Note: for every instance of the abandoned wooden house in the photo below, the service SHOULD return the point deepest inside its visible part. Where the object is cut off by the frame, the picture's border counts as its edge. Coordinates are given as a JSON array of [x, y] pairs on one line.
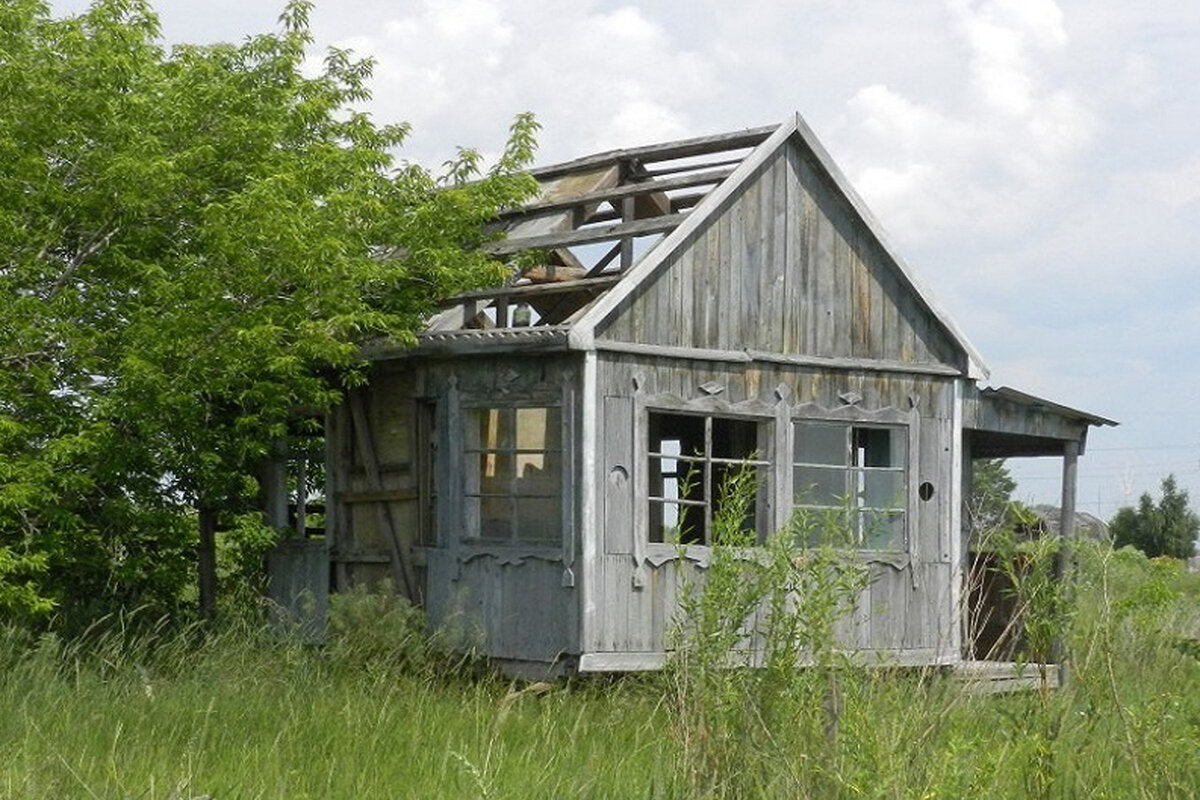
[[524, 471]]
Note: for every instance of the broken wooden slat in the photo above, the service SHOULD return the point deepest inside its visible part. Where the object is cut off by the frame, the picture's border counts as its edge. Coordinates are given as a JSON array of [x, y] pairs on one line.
[[685, 202]]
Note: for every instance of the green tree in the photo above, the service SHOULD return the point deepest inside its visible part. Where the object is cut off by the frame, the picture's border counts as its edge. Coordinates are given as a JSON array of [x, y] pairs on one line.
[[193, 243], [1166, 528], [990, 507]]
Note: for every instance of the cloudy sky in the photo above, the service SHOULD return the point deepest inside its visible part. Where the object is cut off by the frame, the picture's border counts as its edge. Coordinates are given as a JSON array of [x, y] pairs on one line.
[[1037, 162]]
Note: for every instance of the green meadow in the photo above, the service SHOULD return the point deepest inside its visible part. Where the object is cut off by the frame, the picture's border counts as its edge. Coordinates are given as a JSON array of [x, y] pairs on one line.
[[137, 710]]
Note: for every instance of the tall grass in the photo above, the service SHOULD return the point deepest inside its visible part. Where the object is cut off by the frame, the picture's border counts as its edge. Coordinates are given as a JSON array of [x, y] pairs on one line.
[[238, 714], [808, 721], [131, 711]]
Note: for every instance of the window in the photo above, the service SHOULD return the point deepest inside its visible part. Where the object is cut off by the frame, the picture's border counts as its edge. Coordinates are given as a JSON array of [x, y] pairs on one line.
[[690, 458], [861, 469], [513, 461]]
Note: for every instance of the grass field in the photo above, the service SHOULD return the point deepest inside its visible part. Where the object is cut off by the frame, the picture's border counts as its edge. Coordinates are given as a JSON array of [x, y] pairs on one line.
[[234, 714]]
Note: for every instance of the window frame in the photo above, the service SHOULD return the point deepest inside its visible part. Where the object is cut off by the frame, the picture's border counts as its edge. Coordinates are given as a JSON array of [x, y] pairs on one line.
[[470, 529], [707, 409], [856, 418], [780, 419]]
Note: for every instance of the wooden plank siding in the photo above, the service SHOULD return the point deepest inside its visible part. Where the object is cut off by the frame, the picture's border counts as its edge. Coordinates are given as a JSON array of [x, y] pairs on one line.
[[905, 614], [784, 266], [515, 600]]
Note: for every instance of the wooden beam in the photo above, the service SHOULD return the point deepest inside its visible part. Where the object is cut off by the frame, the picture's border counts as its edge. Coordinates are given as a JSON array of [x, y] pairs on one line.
[[534, 289], [683, 148], [678, 168], [627, 216], [600, 233], [533, 340], [381, 496], [683, 202], [749, 356], [621, 192], [605, 260]]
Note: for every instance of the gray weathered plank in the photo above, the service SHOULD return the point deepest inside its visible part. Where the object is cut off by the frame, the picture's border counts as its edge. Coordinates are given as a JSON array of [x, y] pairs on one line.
[[701, 178], [598, 233]]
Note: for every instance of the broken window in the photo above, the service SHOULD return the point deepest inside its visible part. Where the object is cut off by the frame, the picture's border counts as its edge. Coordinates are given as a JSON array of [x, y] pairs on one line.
[[859, 469], [690, 458], [513, 461]]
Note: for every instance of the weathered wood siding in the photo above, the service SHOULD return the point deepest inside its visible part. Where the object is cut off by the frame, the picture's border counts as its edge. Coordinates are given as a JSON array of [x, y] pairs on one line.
[[785, 267], [505, 605], [514, 601], [907, 611]]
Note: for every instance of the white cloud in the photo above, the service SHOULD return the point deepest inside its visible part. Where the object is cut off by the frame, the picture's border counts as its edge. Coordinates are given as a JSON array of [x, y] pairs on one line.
[[1036, 161], [597, 76], [637, 121], [1175, 187], [992, 152]]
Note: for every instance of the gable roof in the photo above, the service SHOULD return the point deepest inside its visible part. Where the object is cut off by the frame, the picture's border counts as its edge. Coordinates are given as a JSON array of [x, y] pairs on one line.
[[623, 198]]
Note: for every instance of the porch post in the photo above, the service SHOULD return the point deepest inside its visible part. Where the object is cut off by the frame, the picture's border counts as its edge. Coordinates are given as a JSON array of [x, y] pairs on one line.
[[1063, 564]]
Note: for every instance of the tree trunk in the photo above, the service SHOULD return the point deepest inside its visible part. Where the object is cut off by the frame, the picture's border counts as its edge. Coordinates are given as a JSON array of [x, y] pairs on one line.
[[206, 563]]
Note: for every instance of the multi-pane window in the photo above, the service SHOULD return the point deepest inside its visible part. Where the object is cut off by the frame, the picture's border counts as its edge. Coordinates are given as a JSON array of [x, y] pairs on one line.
[[690, 460], [860, 469], [514, 462]]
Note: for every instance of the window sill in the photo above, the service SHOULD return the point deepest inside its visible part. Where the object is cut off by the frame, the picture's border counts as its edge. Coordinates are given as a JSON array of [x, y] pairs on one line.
[[658, 554]]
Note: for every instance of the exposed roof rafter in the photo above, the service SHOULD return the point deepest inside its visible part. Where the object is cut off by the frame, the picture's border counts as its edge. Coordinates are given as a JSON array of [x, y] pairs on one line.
[[623, 195]]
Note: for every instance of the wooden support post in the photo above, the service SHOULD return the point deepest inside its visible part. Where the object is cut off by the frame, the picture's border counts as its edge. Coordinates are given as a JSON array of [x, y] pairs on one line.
[[273, 486], [301, 497], [627, 215], [1064, 570]]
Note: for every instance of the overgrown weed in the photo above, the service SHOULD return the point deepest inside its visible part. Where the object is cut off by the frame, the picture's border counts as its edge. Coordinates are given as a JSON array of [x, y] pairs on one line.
[[765, 704]]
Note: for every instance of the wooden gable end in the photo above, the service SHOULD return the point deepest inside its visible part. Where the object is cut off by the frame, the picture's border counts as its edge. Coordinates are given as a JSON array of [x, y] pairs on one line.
[[785, 266]]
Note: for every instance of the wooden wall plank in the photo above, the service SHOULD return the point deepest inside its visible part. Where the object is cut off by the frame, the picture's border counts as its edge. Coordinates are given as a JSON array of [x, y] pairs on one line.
[[617, 474], [747, 263], [774, 232], [785, 266], [890, 590]]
